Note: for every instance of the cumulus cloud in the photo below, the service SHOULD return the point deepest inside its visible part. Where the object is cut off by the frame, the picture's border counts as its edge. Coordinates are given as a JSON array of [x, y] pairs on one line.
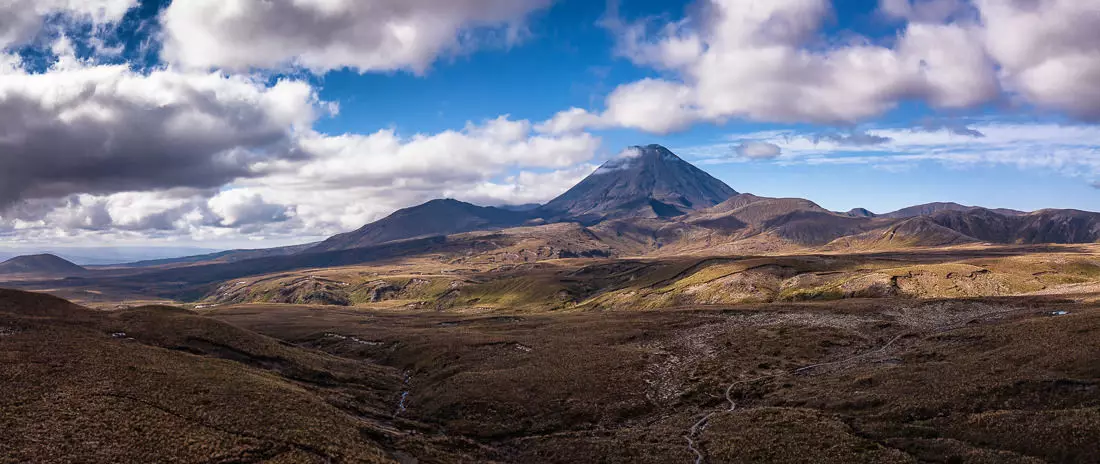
[[100, 129], [762, 60], [1048, 50], [524, 188], [20, 20], [348, 180], [758, 150], [1096, 185], [241, 207], [175, 150], [334, 184], [163, 211], [321, 35], [766, 60]]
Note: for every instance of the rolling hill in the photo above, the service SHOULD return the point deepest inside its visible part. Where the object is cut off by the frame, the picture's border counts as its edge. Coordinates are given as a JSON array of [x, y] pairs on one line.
[[49, 265], [436, 217]]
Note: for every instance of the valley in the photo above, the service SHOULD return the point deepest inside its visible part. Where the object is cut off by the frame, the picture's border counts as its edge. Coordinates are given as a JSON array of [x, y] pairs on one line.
[[976, 380], [651, 314]]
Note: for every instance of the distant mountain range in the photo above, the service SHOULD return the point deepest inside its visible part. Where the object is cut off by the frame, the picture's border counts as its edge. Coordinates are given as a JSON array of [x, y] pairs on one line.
[[647, 202], [108, 255], [651, 195]]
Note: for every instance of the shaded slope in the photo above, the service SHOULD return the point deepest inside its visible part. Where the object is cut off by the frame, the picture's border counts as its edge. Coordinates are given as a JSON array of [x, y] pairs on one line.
[[40, 265], [796, 220], [929, 209], [166, 385], [436, 217], [913, 232], [926, 209], [1046, 226], [647, 181], [1059, 226], [982, 224], [860, 212], [229, 256]]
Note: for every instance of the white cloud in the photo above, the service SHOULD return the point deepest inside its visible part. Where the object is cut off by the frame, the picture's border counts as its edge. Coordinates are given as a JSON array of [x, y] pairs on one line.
[[336, 183], [349, 180], [1071, 150], [98, 129], [1049, 51], [242, 207], [321, 35], [569, 121], [524, 188], [91, 151], [630, 153], [758, 150], [20, 20], [765, 60], [760, 60]]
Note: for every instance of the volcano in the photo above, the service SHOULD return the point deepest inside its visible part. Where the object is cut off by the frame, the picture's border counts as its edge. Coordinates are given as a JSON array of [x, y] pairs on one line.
[[647, 181]]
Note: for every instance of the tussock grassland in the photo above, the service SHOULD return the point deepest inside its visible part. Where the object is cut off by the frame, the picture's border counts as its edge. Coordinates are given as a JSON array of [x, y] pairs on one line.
[[658, 283], [1010, 379]]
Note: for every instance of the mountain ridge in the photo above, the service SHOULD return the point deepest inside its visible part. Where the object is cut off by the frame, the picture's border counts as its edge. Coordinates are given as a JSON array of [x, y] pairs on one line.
[[434, 218], [677, 206]]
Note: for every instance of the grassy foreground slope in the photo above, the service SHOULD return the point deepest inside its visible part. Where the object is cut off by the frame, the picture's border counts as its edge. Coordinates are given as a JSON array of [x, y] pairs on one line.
[[886, 380], [159, 384], [1002, 380]]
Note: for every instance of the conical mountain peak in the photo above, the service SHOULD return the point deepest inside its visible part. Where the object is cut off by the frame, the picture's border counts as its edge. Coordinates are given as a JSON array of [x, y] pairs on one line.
[[642, 181]]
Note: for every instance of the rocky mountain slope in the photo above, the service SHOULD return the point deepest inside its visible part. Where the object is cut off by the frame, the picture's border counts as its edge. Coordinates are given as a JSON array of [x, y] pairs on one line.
[[648, 181]]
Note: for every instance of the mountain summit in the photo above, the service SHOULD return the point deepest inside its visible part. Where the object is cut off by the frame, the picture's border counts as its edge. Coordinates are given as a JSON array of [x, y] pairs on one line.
[[647, 181]]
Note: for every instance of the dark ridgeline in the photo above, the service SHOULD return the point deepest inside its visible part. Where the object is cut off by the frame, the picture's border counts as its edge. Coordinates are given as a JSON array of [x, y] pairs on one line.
[[44, 264]]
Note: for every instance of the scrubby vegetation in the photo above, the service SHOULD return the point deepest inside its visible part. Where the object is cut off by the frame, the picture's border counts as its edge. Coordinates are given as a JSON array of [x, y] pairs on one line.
[[657, 283]]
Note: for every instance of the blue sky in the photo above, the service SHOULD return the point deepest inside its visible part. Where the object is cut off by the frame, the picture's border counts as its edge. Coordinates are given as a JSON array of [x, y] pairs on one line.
[[198, 123], [569, 61]]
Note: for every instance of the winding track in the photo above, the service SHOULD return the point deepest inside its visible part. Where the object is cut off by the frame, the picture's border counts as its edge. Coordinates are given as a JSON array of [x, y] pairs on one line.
[[699, 426]]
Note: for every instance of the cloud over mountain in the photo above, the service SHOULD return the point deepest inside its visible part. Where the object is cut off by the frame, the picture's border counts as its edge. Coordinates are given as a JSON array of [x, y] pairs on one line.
[[92, 148]]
